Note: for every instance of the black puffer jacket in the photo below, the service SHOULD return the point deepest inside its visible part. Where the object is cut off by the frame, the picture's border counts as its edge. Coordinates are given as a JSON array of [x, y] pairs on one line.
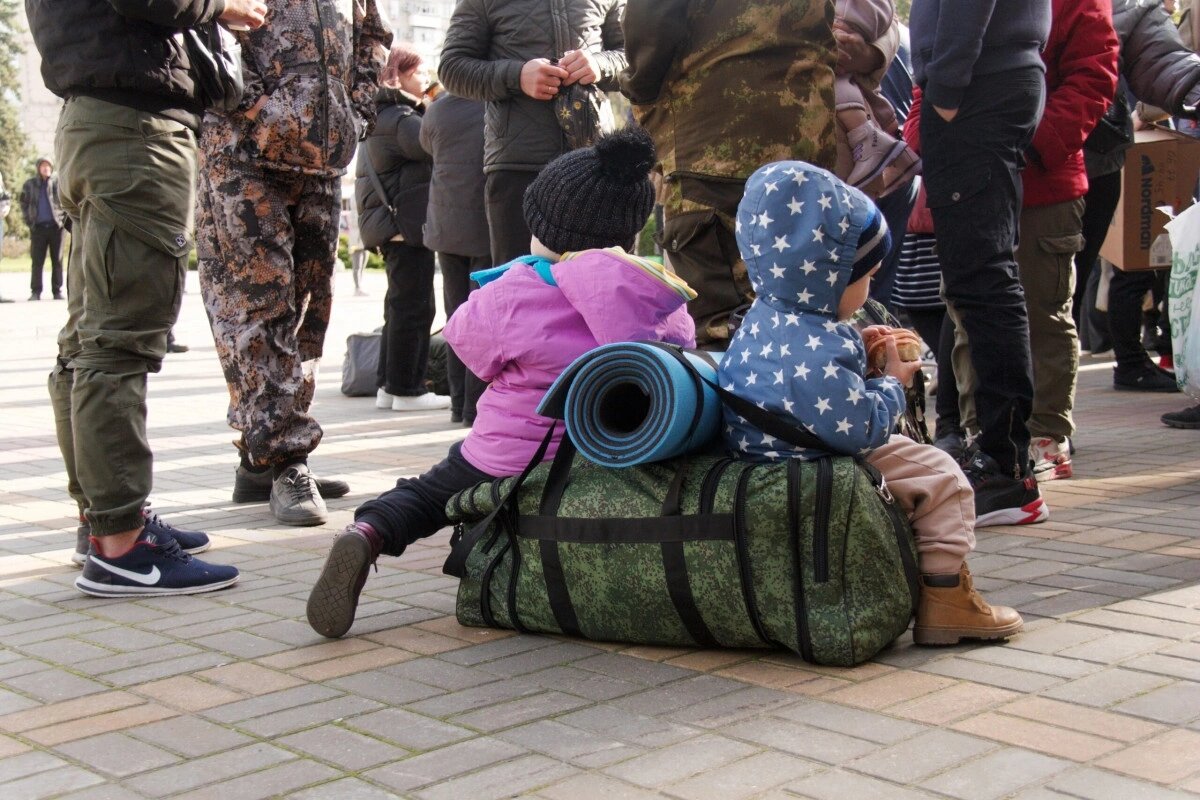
[[1155, 63], [490, 40], [394, 147], [128, 52], [452, 133]]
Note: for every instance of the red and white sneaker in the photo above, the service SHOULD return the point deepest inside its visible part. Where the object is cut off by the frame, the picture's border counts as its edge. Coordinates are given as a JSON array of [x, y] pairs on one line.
[[1051, 459]]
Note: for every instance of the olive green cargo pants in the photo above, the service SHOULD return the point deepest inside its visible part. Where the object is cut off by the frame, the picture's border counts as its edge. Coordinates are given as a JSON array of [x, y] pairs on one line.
[[127, 178]]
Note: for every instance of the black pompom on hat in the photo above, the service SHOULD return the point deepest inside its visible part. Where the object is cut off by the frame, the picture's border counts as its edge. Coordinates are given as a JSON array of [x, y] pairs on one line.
[[598, 196]]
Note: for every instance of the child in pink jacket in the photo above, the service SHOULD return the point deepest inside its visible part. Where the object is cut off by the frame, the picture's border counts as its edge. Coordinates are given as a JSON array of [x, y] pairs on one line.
[[518, 333]]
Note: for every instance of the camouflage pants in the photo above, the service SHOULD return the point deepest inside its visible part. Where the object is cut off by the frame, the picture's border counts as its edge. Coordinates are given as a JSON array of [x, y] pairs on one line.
[[267, 242], [698, 241]]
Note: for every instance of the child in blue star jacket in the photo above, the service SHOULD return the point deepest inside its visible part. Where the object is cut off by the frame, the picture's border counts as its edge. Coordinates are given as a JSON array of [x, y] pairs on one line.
[[811, 244]]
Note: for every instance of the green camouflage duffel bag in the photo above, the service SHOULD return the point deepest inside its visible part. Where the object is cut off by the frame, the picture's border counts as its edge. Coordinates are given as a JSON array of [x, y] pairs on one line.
[[813, 557]]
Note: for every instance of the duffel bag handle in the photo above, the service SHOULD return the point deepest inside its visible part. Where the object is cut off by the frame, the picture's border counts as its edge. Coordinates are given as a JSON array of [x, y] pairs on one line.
[[456, 562]]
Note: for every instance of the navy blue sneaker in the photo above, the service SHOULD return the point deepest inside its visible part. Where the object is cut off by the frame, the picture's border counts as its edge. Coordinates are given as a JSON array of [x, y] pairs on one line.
[[191, 542], [155, 565]]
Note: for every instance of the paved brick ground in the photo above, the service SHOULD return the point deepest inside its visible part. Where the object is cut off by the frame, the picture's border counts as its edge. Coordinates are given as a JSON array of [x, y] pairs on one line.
[[231, 695]]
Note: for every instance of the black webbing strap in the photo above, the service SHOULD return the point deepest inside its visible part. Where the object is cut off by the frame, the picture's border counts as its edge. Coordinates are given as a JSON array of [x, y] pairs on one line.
[[559, 477], [456, 562], [680, 589], [556, 589]]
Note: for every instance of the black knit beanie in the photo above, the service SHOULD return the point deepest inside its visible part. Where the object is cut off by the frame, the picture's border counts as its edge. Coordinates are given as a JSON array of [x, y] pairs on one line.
[[598, 196]]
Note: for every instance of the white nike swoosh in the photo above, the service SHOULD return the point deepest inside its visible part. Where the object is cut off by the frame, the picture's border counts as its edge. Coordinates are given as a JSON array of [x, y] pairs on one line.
[[146, 579]]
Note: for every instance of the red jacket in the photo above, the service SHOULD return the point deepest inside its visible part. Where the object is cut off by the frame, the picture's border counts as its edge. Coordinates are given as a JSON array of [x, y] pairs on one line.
[[1081, 79]]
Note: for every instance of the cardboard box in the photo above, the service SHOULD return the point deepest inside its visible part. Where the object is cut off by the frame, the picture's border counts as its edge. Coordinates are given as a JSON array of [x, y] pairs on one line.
[[1160, 170]]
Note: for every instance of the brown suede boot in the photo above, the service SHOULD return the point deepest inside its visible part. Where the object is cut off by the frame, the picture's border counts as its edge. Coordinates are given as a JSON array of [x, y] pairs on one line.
[[951, 610]]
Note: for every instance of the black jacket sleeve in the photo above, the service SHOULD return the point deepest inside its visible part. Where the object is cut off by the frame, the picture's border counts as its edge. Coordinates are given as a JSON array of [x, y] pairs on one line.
[[170, 13], [1160, 69], [655, 30], [465, 69]]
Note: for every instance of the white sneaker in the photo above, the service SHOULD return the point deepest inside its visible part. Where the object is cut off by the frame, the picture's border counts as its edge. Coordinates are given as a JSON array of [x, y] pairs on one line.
[[422, 402], [1051, 459], [383, 399]]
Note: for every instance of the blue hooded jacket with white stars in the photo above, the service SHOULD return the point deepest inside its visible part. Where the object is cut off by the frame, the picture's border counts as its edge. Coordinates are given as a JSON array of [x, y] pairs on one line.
[[798, 229]]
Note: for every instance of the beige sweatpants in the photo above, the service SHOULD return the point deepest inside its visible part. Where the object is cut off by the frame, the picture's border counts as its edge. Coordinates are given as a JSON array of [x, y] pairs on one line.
[[931, 488]]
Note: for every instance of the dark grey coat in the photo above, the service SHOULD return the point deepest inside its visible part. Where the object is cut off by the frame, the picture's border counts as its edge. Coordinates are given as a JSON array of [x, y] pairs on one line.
[[1155, 63], [490, 40], [452, 133]]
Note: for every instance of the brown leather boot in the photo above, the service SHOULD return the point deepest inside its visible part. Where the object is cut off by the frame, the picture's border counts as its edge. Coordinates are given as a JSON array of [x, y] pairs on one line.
[[951, 610]]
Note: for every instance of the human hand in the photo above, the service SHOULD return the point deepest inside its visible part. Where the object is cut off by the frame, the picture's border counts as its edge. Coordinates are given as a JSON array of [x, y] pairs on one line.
[[252, 112], [581, 67], [244, 14], [855, 55], [540, 79], [947, 114], [872, 332]]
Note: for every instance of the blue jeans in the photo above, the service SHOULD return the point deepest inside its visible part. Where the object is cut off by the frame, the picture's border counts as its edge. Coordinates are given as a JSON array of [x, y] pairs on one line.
[[416, 508], [973, 182]]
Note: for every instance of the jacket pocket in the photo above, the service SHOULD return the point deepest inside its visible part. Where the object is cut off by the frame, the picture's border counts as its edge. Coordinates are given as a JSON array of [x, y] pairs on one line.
[[290, 127], [343, 126]]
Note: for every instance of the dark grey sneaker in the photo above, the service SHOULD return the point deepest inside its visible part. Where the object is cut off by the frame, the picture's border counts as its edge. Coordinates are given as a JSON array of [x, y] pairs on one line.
[[255, 487], [295, 499]]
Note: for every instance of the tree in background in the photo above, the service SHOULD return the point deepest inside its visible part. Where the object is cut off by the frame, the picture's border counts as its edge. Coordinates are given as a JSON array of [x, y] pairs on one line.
[[15, 155]]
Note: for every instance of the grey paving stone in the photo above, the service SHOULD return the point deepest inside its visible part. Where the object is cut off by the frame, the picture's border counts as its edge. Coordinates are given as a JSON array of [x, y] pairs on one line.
[[307, 716], [1173, 704], [555, 655], [595, 785], [921, 756], [270, 703], [113, 662], [409, 730], [53, 685], [502, 780], [108, 791], [438, 673], [385, 687], [583, 683], [732, 707], [1028, 661], [165, 669], [11, 702], [342, 748], [209, 771], [241, 644], [50, 784], [189, 736], [1098, 784], [1107, 687], [64, 650], [1065, 603], [678, 694], [565, 743], [628, 668], [992, 674], [827, 747], [117, 754], [288, 631], [497, 649], [520, 711], [840, 785], [851, 721], [440, 765], [476, 697], [345, 789], [15, 767], [743, 779], [636, 729], [268, 783], [996, 775]]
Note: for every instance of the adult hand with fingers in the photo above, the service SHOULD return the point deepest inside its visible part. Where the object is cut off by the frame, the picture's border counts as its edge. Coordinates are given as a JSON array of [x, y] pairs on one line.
[[246, 14], [581, 67], [540, 78]]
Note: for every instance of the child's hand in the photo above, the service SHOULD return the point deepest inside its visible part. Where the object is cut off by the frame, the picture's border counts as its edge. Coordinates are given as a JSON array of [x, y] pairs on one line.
[[902, 371], [872, 332]]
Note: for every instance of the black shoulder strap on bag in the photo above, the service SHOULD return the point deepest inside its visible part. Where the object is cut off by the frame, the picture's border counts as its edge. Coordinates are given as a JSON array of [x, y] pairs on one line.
[[461, 547], [764, 420], [378, 184]]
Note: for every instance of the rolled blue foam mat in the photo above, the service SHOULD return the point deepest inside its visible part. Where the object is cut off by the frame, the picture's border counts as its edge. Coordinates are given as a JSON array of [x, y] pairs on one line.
[[634, 403]]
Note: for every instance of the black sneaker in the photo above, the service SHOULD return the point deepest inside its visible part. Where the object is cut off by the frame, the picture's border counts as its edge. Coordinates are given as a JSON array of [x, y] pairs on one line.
[[334, 597], [255, 487], [1188, 418], [1002, 499], [1147, 377], [953, 444], [295, 499], [190, 542], [155, 565]]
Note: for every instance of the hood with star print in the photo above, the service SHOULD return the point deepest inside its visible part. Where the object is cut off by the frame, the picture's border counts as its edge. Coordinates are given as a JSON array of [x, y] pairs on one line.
[[798, 228]]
